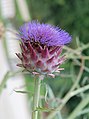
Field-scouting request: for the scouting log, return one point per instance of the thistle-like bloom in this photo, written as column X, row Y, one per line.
column 41, row 45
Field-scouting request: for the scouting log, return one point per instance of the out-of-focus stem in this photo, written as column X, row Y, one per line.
column 77, row 51
column 81, row 105
column 23, row 8
column 81, row 89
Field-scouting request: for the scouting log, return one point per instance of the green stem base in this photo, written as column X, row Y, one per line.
column 36, row 97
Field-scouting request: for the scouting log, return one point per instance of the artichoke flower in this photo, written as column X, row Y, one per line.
column 41, row 46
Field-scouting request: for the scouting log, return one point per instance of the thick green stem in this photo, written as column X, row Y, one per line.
column 36, row 97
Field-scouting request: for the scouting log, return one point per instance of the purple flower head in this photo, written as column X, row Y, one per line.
column 41, row 46
column 44, row 34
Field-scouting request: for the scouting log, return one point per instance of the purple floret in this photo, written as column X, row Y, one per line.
column 44, row 34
